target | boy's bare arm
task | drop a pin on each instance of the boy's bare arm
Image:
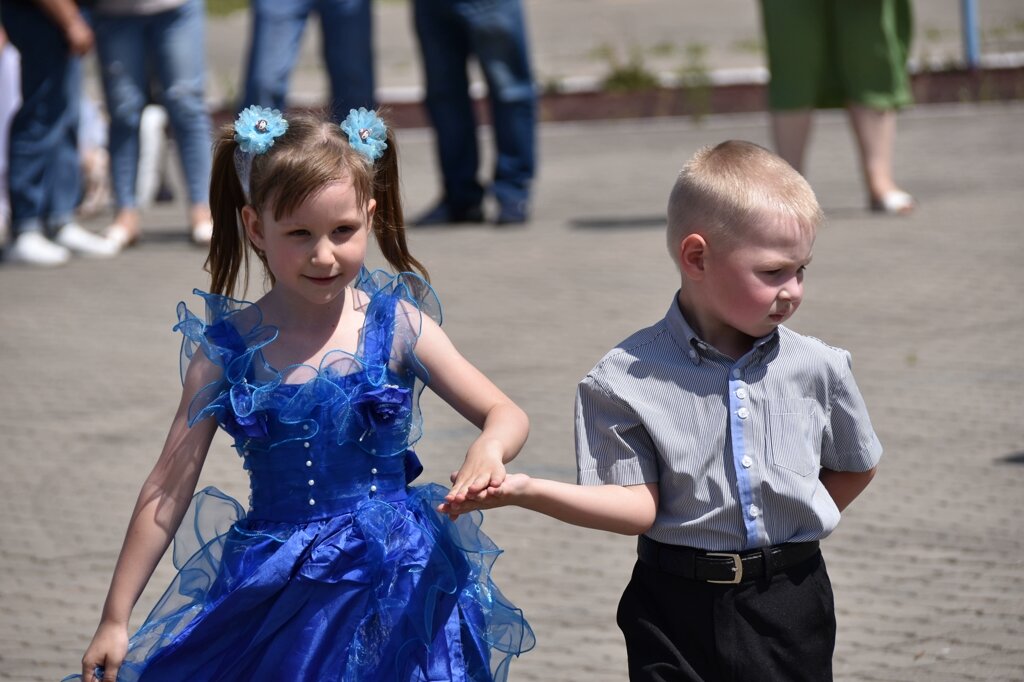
(845, 486)
(629, 510)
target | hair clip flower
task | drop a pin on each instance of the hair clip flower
(257, 127)
(366, 133)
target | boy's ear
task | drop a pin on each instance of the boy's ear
(692, 252)
(253, 226)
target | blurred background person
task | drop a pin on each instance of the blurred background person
(10, 100)
(347, 43)
(841, 53)
(165, 39)
(450, 32)
(44, 176)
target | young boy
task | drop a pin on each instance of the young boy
(730, 442)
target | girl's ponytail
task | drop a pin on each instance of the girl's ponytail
(388, 221)
(229, 252)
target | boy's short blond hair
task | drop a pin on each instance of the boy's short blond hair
(727, 189)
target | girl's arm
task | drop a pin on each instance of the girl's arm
(503, 425)
(845, 486)
(162, 502)
(629, 510)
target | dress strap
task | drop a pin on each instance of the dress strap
(379, 330)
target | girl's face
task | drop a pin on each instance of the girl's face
(317, 250)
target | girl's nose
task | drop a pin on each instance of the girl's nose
(322, 252)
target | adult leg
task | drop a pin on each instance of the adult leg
(44, 180)
(277, 27)
(39, 127)
(121, 48)
(791, 131)
(444, 50)
(348, 53)
(875, 132)
(498, 37)
(182, 72)
(873, 38)
(799, 58)
(10, 102)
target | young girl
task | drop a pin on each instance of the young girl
(340, 570)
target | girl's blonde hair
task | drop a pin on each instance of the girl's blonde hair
(727, 189)
(311, 154)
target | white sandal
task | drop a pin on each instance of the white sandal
(894, 202)
(121, 236)
(202, 233)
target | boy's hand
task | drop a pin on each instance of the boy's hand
(483, 468)
(492, 497)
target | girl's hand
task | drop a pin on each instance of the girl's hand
(482, 469)
(508, 492)
(106, 652)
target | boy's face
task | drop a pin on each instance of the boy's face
(755, 285)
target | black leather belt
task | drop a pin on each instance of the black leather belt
(723, 567)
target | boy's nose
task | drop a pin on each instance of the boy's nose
(792, 291)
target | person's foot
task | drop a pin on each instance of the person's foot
(444, 214)
(894, 202)
(33, 248)
(513, 213)
(202, 233)
(79, 240)
(121, 235)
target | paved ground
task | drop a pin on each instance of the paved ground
(928, 566)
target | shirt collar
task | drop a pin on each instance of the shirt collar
(687, 339)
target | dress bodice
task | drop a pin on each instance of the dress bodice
(317, 441)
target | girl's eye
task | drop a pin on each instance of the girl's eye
(343, 229)
(298, 233)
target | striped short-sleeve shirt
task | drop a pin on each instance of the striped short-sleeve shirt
(735, 446)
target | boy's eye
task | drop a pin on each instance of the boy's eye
(773, 272)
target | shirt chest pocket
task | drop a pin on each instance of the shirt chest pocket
(794, 434)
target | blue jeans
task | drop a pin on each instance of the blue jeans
(170, 46)
(494, 31)
(43, 171)
(347, 42)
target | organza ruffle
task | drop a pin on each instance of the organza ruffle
(390, 591)
(378, 387)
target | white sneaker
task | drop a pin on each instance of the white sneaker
(75, 237)
(32, 248)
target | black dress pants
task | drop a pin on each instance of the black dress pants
(780, 629)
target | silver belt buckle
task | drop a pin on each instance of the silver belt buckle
(737, 568)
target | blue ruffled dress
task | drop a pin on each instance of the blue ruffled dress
(340, 570)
